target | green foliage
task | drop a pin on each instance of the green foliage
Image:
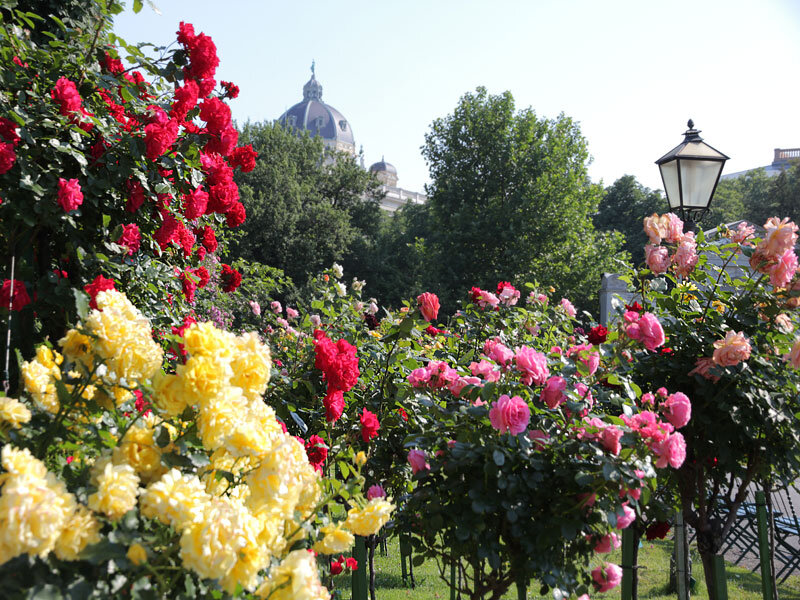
(306, 207)
(511, 199)
(624, 205)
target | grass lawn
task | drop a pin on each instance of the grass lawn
(653, 559)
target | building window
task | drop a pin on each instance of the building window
(292, 120)
(343, 125)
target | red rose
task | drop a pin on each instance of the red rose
(208, 239)
(222, 197)
(231, 89)
(351, 563)
(635, 307)
(135, 195)
(334, 405)
(8, 131)
(317, 452)
(185, 34)
(403, 414)
(231, 279)
(159, 137)
(67, 96)
(189, 286)
(224, 142)
(185, 100)
(167, 232)
(7, 157)
(369, 425)
(70, 196)
(21, 298)
(203, 60)
(179, 331)
(216, 114)
(100, 284)
(202, 276)
(236, 215)
(597, 335)
(432, 331)
(194, 204)
(336, 568)
(131, 237)
(186, 239)
(112, 65)
(337, 361)
(657, 530)
(428, 305)
(244, 157)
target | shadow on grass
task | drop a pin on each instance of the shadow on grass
(751, 582)
(392, 580)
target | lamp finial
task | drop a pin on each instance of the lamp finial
(690, 124)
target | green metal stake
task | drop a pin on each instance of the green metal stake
(522, 589)
(403, 555)
(453, 580)
(680, 556)
(719, 577)
(627, 563)
(359, 582)
(763, 545)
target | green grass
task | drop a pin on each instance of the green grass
(654, 574)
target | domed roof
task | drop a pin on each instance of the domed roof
(317, 117)
(383, 166)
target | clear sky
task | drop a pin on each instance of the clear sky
(630, 72)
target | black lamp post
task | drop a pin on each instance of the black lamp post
(690, 173)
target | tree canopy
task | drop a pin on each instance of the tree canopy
(306, 208)
(511, 199)
(624, 205)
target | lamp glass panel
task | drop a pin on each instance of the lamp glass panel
(698, 178)
(669, 173)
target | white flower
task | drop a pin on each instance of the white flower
(341, 289)
(337, 270)
(358, 285)
(372, 308)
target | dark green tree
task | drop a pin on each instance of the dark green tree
(511, 199)
(306, 207)
(624, 205)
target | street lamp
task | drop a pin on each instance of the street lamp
(690, 173)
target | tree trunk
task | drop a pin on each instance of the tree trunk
(708, 572)
(371, 540)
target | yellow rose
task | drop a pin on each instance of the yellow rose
(117, 488)
(368, 520)
(14, 412)
(77, 347)
(296, 578)
(175, 499)
(137, 554)
(81, 530)
(335, 541)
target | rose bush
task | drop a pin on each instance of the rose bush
(728, 309)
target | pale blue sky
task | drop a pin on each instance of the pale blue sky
(630, 72)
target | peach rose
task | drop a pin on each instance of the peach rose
(428, 305)
(732, 350)
(656, 227)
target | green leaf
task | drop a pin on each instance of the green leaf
(499, 458)
(176, 460)
(162, 437)
(137, 6)
(81, 303)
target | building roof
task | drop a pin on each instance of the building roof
(382, 165)
(317, 117)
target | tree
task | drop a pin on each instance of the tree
(511, 199)
(306, 209)
(624, 205)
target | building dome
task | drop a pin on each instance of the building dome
(318, 118)
(385, 172)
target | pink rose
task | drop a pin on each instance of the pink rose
(428, 305)
(677, 409)
(743, 233)
(657, 258)
(731, 350)
(553, 392)
(276, 307)
(255, 307)
(647, 330)
(500, 354)
(316, 321)
(607, 577)
(670, 451)
(459, 384)
(484, 369)
(608, 543)
(674, 229)
(780, 236)
(418, 461)
(648, 398)
(70, 196)
(292, 313)
(538, 437)
(702, 367)
(568, 308)
(585, 353)
(510, 415)
(794, 355)
(685, 257)
(376, 491)
(532, 365)
(419, 377)
(781, 273)
(131, 238)
(609, 438)
(628, 516)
